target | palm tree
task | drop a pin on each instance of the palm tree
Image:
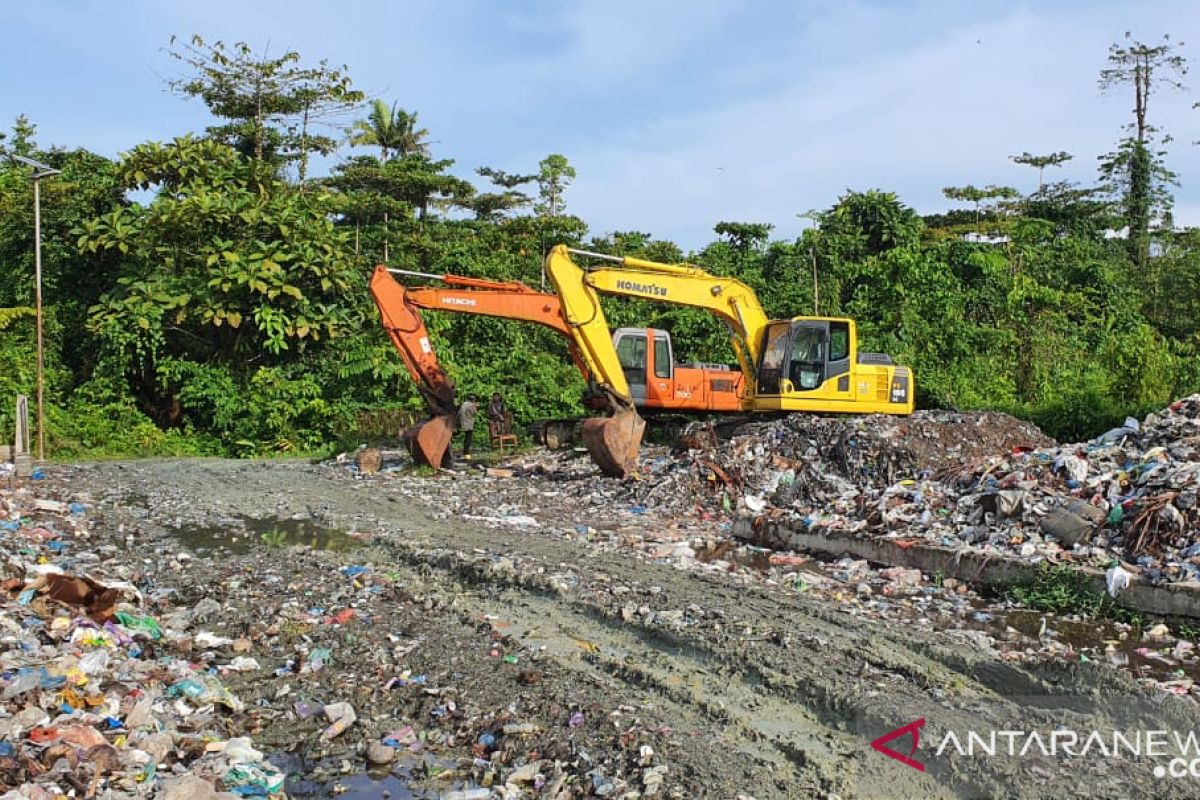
(394, 131)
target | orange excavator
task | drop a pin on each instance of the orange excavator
(653, 381)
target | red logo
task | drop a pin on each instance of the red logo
(914, 728)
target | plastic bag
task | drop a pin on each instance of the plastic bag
(136, 624)
(1117, 580)
(204, 690)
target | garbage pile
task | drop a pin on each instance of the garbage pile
(96, 693)
(967, 481)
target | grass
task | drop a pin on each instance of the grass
(1188, 630)
(1062, 590)
(273, 538)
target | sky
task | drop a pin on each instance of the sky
(676, 114)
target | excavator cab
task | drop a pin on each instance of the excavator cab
(813, 364)
(657, 383)
(800, 355)
(638, 359)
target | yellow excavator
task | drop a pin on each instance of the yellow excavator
(805, 363)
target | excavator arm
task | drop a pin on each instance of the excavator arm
(461, 295)
(729, 299)
(429, 440)
(400, 309)
(506, 300)
(798, 364)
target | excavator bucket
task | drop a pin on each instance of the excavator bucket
(613, 442)
(428, 441)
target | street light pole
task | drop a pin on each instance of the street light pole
(37, 282)
(40, 171)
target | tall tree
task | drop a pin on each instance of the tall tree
(491, 206)
(1041, 162)
(986, 199)
(555, 174)
(394, 131)
(744, 235)
(1135, 170)
(273, 104)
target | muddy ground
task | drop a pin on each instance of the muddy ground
(499, 643)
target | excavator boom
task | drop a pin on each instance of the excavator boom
(729, 299)
(429, 440)
(400, 306)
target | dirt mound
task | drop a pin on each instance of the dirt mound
(879, 449)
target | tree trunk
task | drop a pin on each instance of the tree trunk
(258, 122)
(1137, 204)
(304, 147)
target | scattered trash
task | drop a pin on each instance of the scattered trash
(341, 716)
(1117, 580)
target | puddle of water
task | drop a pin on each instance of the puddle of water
(248, 533)
(1143, 657)
(397, 783)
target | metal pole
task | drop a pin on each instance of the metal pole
(37, 271)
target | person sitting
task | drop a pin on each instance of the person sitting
(499, 418)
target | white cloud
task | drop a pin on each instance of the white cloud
(677, 114)
(947, 112)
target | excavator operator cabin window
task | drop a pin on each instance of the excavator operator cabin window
(631, 352)
(774, 351)
(808, 357)
(839, 341)
(662, 356)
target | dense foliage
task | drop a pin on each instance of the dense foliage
(225, 309)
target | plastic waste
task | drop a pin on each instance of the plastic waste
(1116, 579)
(341, 717)
(253, 780)
(467, 794)
(305, 709)
(137, 624)
(23, 683)
(206, 639)
(317, 660)
(205, 689)
(94, 662)
(402, 737)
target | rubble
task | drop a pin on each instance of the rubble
(1129, 495)
(551, 631)
(97, 694)
(985, 482)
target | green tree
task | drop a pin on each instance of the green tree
(1135, 170)
(394, 131)
(226, 281)
(987, 200)
(1041, 162)
(273, 105)
(555, 174)
(744, 235)
(490, 206)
